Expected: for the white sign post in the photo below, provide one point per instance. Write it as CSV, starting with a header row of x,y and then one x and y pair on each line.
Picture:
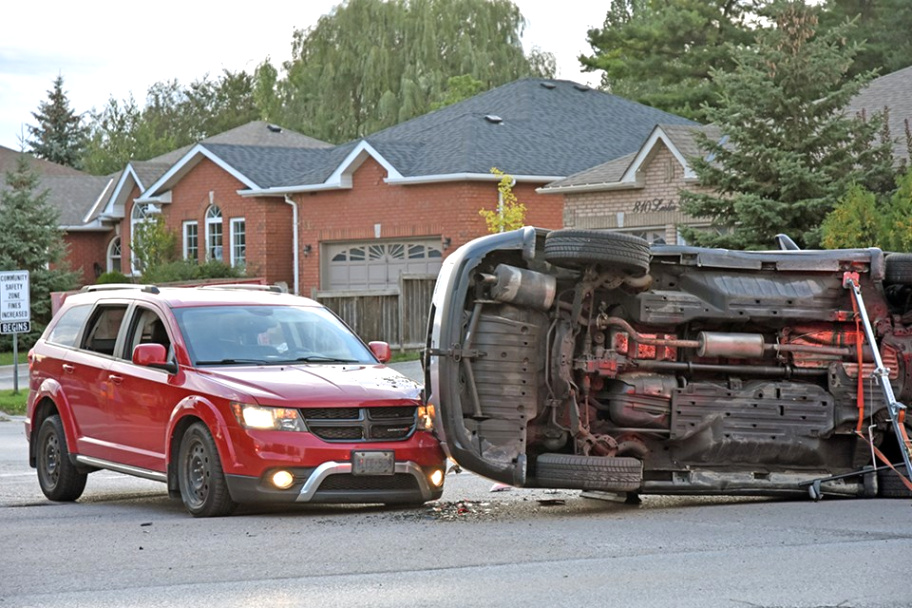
x,y
15,312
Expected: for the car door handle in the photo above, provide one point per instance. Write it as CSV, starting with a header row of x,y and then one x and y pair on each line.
x,y
115,379
69,368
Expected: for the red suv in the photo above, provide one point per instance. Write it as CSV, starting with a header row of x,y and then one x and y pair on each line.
x,y
228,395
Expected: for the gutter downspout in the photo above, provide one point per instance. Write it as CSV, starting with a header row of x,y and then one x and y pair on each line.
x,y
294,241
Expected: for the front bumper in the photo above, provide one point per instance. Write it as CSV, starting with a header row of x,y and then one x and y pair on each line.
x,y
333,482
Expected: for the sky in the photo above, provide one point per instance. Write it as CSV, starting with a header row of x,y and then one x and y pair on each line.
x,y
105,49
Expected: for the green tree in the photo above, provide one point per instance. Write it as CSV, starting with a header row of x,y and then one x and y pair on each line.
x,y
153,244
370,64
176,116
31,240
60,135
510,213
898,231
660,52
883,26
855,222
789,151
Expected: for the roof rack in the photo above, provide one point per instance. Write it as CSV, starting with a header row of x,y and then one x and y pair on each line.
x,y
116,286
245,287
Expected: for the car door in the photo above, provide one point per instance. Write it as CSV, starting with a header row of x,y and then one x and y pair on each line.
x,y
142,397
84,379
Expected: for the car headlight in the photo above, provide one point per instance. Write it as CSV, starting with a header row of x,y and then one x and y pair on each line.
x,y
267,418
425,417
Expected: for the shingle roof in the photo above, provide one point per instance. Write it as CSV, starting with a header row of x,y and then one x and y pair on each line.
x,y
893,90
682,137
532,127
9,158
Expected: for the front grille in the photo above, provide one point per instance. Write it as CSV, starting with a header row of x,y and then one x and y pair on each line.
x,y
345,482
361,424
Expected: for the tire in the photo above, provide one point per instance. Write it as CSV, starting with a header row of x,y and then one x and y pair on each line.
x,y
200,477
889,484
611,474
573,248
57,475
898,270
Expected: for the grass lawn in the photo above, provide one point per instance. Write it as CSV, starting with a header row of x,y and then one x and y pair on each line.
x,y
13,404
7,357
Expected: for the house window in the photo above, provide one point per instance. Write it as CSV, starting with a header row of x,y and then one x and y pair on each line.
x,y
114,255
238,242
191,241
214,233
139,215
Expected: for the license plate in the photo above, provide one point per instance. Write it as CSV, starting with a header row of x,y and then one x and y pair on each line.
x,y
374,463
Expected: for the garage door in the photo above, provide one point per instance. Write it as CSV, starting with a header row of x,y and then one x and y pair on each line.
x,y
377,265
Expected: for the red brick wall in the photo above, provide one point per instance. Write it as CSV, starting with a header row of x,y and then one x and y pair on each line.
x,y
447,209
85,250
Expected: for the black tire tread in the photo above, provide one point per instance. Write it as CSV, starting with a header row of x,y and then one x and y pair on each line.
x,y
889,484
898,269
70,482
218,503
575,248
615,474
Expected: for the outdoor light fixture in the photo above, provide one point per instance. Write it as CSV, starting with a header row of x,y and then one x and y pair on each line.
x,y
307,249
445,242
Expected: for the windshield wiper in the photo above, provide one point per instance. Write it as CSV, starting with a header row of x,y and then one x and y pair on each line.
x,y
324,359
231,362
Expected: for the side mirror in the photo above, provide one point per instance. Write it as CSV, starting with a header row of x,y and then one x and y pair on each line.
x,y
155,356
382,351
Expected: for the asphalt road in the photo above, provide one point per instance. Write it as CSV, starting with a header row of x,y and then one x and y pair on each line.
x,y
124,543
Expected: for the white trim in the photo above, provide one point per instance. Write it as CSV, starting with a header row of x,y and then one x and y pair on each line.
x,y
220,222
184,226
590,187
182,167
98,201
658,134
232,232
109,209
296,260
108,260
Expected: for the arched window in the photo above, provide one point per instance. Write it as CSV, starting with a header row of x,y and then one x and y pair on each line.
x,y
214,233
114,255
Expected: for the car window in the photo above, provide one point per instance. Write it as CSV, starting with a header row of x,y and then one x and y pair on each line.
x,y
225,335
67,327
146,328
103,327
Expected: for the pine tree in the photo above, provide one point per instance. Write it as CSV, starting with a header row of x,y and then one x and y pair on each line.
x,y
789,151
60,135
31,240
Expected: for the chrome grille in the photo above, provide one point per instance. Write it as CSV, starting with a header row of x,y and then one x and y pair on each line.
x,y
361,424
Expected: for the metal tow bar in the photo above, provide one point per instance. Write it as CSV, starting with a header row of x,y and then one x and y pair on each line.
x,y
881,373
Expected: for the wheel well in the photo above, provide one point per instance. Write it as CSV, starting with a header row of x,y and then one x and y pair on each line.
x,y
44,410
177,436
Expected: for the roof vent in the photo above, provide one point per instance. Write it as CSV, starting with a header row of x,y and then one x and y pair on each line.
x,y
581,87
274,128
493,118
548,84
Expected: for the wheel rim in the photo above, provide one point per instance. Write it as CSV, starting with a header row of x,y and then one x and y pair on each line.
x,y
50,462
197,472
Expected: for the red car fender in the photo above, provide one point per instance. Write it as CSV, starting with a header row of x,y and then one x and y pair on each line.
x,y
205,410
51,389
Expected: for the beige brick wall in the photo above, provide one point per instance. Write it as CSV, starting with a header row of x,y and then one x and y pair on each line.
x,y
654,204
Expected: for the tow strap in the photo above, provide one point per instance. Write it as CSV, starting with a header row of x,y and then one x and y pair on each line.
x,y
882,375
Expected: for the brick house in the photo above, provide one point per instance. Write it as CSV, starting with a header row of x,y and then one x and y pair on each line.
x,y
354,217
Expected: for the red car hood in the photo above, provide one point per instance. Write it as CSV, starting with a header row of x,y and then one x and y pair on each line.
x,y
318,384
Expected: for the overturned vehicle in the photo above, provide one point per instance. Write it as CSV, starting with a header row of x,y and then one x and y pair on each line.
x,y
587,359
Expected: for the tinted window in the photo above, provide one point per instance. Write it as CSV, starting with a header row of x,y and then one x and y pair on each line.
x,y
226,335
67,327
104,325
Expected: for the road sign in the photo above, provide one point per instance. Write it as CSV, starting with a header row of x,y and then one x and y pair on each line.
x,y
15,327
14,297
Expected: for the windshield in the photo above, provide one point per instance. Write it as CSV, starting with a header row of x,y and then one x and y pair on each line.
x,y
238,335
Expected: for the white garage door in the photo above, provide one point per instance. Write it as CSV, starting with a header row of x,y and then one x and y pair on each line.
x,y
377,265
